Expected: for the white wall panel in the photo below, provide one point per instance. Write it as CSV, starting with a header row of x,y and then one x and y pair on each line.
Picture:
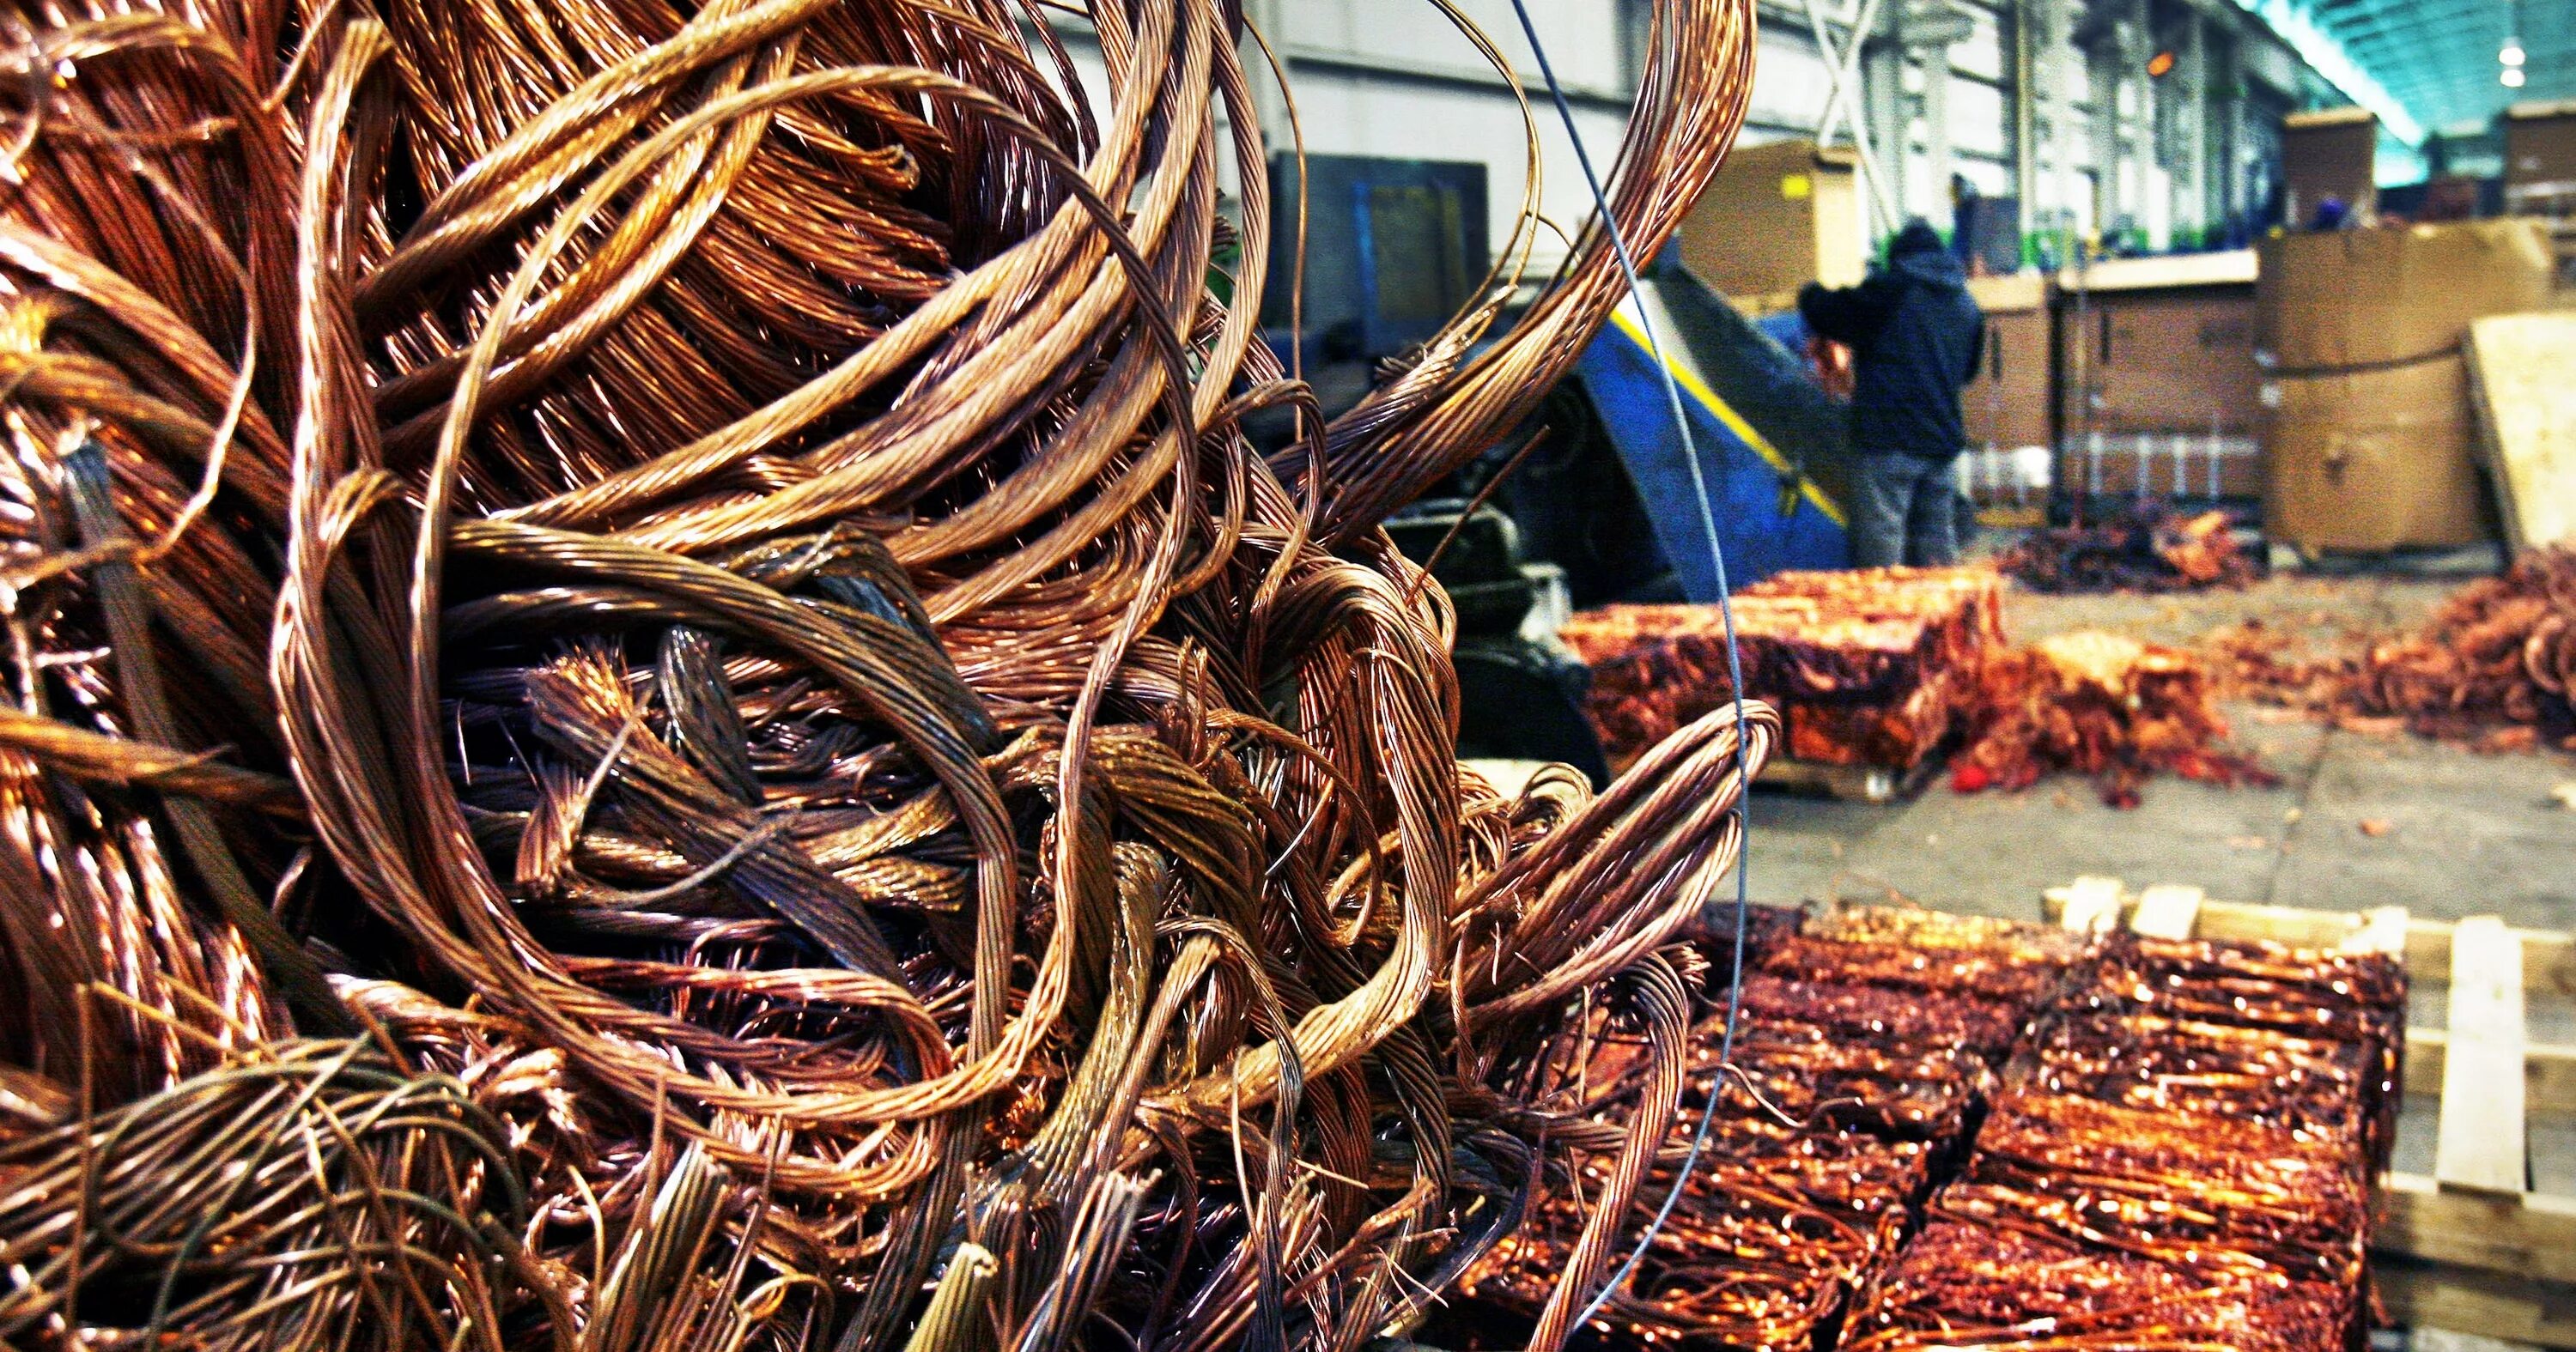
x,y
1789,82
1982,55
1582,36
1980,118
1357,115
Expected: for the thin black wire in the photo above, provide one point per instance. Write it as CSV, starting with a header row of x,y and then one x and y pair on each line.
x,y
1734,672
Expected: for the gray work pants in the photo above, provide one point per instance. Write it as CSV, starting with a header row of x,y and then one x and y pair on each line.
x,y
1903,511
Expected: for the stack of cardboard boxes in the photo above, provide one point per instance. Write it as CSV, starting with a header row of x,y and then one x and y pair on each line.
x,y
2159,390
2540,173
2368,427
2006,404
2328,155
1777,216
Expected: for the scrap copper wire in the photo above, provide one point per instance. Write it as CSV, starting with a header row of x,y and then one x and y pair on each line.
x,y
2494,664
2151,548
2149,1179
1866,666
734,634
2099,704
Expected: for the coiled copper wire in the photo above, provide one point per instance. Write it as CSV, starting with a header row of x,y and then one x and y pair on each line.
x,y
742,647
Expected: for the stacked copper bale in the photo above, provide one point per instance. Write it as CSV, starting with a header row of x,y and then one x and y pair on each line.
x,y
1864,1048
1867,667
1941,1131
2182,1155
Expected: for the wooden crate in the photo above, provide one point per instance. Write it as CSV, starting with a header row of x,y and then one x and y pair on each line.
x,y
2469,1247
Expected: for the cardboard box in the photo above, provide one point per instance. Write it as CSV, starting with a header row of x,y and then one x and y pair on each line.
x,y
2352,298
2173,359
2006,405
2379,459
2329,154
2539,144
1777,217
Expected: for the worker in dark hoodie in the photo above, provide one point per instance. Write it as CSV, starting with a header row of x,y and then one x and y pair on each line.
x,y
1915,336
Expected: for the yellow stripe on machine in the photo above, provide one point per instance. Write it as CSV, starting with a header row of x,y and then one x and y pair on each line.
x,y
1734,422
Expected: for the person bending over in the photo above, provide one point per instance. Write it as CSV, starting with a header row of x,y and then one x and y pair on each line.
x,y
1915,336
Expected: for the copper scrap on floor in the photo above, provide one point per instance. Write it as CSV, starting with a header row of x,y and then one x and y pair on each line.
x,y
2099,704
2152,549
1866,667
2495,665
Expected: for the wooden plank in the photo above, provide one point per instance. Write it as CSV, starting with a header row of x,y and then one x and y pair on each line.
x,y
2548,956
2527,422
2293,925
2480,1146
2488,1304
2548,1072
2168,911
2089,905
2383,930
2528,1234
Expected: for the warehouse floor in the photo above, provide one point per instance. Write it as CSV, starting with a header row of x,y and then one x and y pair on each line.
x,y
2358,820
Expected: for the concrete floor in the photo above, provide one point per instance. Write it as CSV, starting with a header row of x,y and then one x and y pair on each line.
x,y
2461,833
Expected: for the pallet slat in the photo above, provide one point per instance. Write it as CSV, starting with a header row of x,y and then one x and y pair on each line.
x,y
2525,1234
2548,1071
2088,905
2168,911
2488,1304
2481,1146
2548,957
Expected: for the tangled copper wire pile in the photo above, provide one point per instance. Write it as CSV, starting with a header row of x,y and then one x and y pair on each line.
x,y
2098,704
1866,667
2183,1156
2151,548
2495,664
655,703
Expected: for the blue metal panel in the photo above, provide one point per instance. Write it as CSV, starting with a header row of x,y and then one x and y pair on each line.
x,y
1765,521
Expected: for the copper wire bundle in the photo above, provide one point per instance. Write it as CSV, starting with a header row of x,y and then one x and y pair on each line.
x,y
1966,1283
733,632
1850,1084
1771,1236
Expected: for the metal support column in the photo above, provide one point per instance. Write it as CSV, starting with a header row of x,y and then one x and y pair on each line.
x,y
1928,29
2194,206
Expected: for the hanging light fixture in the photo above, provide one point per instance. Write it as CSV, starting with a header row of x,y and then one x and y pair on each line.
x,y
2510,56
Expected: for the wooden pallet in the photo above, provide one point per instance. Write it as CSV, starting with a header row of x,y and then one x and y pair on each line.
x,y
1849,783
2470,1247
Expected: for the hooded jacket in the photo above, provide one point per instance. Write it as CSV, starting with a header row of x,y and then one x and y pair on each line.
x,y
1915,338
